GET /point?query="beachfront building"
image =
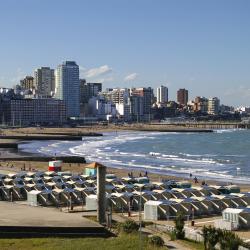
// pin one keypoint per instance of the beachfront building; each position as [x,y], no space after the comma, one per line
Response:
[23,112]
[162,95]
[101,108]
[120,98]
[200,104]
[88,90]
[68,87]
[213,106]
[182,96]
[44,81]
[27,83]
[147,95]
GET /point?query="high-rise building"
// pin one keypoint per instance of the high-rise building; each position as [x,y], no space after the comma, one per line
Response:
[44,79]
[162,94]
[201,104]
[33,111]
[213,106]
[88,90]
[136,108]
[148,97]
[182,96]
[68,87]
[27,82]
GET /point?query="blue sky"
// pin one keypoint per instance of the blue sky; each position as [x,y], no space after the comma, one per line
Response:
[203,46]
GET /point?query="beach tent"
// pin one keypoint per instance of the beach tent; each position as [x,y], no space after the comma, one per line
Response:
[36,180]
[69,195]
[6,192]
[70,184]
[244,196]
[79,183]
[121,201]
[28,180]
[188,192]
[169,184]
[120,188]
[28,187]
[240,217]
[228,201]
[38,174]
[142,180]
[37,197]
[32,174]
[19,192]
[151,210]
[50,173]
[11,175]
[111,176]
[82,193]
[143,196]
[67,178]
[21,175]
[18,181]
[109,188]
[210,204]
[207,190]
[32,198]
[183,184]
[8,181]
[233,189]
[127,180]
[91,202]
[161,210]
[189,206]
[177,193]
[56,197]
[90,183]
[47,179]
[159,185]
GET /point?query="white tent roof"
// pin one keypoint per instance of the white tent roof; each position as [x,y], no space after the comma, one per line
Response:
[153,203]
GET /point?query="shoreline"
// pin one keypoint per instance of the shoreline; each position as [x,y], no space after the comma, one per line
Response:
[21,156]
[40,162]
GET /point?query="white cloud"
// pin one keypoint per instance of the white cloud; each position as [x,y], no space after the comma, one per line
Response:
[95,72]
[130,77]
[102,74]
[105,79]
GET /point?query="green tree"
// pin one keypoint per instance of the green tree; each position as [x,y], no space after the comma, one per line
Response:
[229,240]
[211,237]
[179,226]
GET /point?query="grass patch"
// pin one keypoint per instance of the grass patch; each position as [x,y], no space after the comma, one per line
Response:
[123,241]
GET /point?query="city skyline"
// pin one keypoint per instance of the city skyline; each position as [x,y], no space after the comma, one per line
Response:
[202,47]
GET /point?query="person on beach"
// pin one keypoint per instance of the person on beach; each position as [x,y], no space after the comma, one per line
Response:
[190,175]
[196,180]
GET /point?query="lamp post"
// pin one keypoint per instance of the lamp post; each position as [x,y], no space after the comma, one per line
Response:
[140,220]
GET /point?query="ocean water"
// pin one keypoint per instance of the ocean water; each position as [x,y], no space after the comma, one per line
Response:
[222,155]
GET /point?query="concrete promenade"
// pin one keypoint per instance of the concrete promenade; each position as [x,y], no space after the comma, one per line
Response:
[22,220]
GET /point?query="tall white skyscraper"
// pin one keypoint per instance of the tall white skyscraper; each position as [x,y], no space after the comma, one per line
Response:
[213,106]
[44,81]
[162,94]
[68,87]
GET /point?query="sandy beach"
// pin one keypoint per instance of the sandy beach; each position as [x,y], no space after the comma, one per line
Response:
[13,165]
